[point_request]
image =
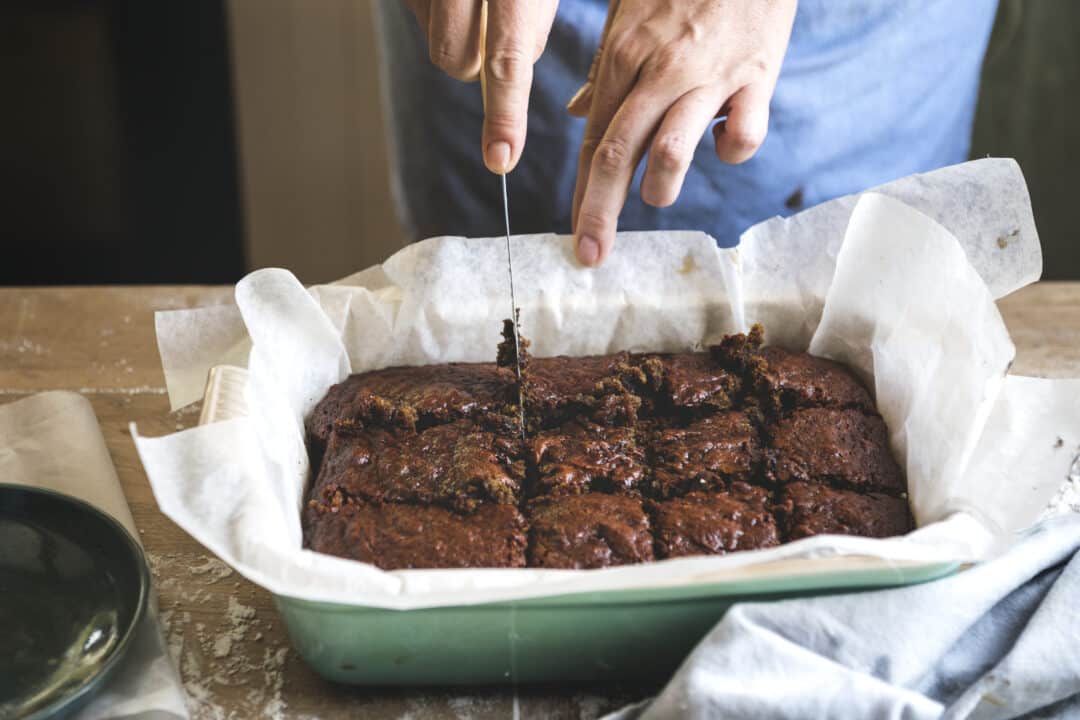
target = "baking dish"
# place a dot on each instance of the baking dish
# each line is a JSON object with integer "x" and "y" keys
{"x": 870, "y": 281}
{"x": 584, "y": 637}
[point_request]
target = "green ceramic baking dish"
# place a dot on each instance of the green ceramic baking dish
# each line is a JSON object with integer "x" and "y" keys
{"x": 579, "y": 638}
{"x": 563, "y": 639}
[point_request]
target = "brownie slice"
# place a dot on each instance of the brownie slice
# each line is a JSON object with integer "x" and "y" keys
{"x": 458, "y": 465}
{"x": 706, "y": 454}
{"x": 790, "y": 380}
{"x": 582, "y": 456}
{"x": 808, "y": 509}
{"x": 333, "y": 406}
{"x": 588, "y": 531}
{"x": 708, "y": 523}
{"x": 407, "y": 395}
{"x": 846, "y": 448}
{"x": 405, "y": 536}
{"x": 690, "y": 381}
{"x": 557, "y": 388}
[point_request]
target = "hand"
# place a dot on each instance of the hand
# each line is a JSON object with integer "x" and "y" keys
{"x": 517, "y": 31}
{"x": 664, "y": 71}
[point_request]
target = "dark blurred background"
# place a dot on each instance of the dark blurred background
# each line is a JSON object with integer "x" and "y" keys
{"x": 183, "y": 142}
{"x": 1029, "y": 106}
{"x": 120, "y": 164}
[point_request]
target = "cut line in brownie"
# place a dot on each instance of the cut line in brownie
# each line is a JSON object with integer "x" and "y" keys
{"x": 845, "y": 448}
{"x": 459, "y": 465}
{"x": 689, "y": 381}
{"x": 592, "y": 530}
{"x": 407, "y": 396}
{"x": 581, "y": 456}
{"x": 707, "y": 454}
{"x": 806, "y": 509}
{"x": 715, "y": 522}
{"x": 397, "y": 537}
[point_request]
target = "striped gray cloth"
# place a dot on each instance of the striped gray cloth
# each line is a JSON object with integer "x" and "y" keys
{"x": 1001, "y": 640}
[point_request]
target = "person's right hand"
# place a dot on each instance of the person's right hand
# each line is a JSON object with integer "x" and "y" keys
{"x": 663, "y": 73}
{"x": 517, "y": 31}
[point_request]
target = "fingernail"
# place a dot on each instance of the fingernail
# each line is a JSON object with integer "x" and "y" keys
{"x": 498, "y": 156}
{"x": 579, "y": 98}
{"x": 588, "y": 251}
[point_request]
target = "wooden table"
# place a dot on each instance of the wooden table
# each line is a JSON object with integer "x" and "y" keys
{"x": 232, "y": 652}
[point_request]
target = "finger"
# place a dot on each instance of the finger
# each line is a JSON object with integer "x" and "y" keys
{"x": 579, "y": 103}
{"x": 612, "y": 170}
{"x": 543, "y": 18}
{"x": 508, "y": 69}
{"x": 615, "y": 77}
{"x": 609, "y": 19}
{"x": 454, "y": 37}
{"x": 741, "y": 134}
{"x": 673, "y": 147}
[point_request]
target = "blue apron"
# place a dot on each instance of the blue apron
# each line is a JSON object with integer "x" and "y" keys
{"x": 870, "y": 90}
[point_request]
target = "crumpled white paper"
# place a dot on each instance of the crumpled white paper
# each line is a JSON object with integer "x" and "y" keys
{"x": 52, "y": 440}
{"x": 789, "y": 262}
{"x": 779, "y": 276}
{"x": 892, "y": 292}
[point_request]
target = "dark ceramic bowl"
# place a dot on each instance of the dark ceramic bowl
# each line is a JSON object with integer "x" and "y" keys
{"x": 73, "y": 587}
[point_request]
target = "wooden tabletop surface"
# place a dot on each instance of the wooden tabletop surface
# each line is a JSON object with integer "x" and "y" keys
{"x": 231, "y": 650}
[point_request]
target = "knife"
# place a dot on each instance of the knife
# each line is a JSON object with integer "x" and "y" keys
{"x": 506, "y": 220}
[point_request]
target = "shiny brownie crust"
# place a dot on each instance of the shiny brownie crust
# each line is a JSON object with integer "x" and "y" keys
{"x": 626, "y": 458}
{"x": 593, "y": 530}
{"x": 707, "y": 523}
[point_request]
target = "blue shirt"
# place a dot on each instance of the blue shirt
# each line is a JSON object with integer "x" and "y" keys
{"x": 870, "y": 90}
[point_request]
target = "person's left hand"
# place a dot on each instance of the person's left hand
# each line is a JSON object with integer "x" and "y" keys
{"x": 663, "y": 73}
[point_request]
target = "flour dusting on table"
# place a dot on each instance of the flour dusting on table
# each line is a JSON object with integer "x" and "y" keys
{"x": 219, "y": 651}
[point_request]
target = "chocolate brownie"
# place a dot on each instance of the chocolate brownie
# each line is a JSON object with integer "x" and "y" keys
{"x": 588, "y": 531}
{"x": 458, "y": 464}
{"x": 847, "y": 448}
{"x": 706, "y": 454}
{"x": 582, "y": 456}
{"x": 740, "y": 352}
{"x": 407, "y": 536}
{"x": 407, "y": 395}
{"x": 806, "y": 509}
{"x": 513, "y": 351}
{"x": 612, "y": 402}
{"x": 707, "y": 523}
{"x": 332, "y": 407}
{"x": 426, "y": 466}
{"x": 690, "y": 381}
{"x": 558, "y": 388}
{"x": 790, "y": 380}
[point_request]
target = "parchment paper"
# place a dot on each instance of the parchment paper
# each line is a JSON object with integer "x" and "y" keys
{"x": 984, "y": 204}
{"x": 52, "y": 440}
{"x": 899, "y": 298}
{"x": 779, "y": 275}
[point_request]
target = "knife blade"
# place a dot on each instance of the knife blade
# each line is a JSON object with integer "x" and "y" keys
{"x": 506, "y": 220}
{"x": 513, "y": 309}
